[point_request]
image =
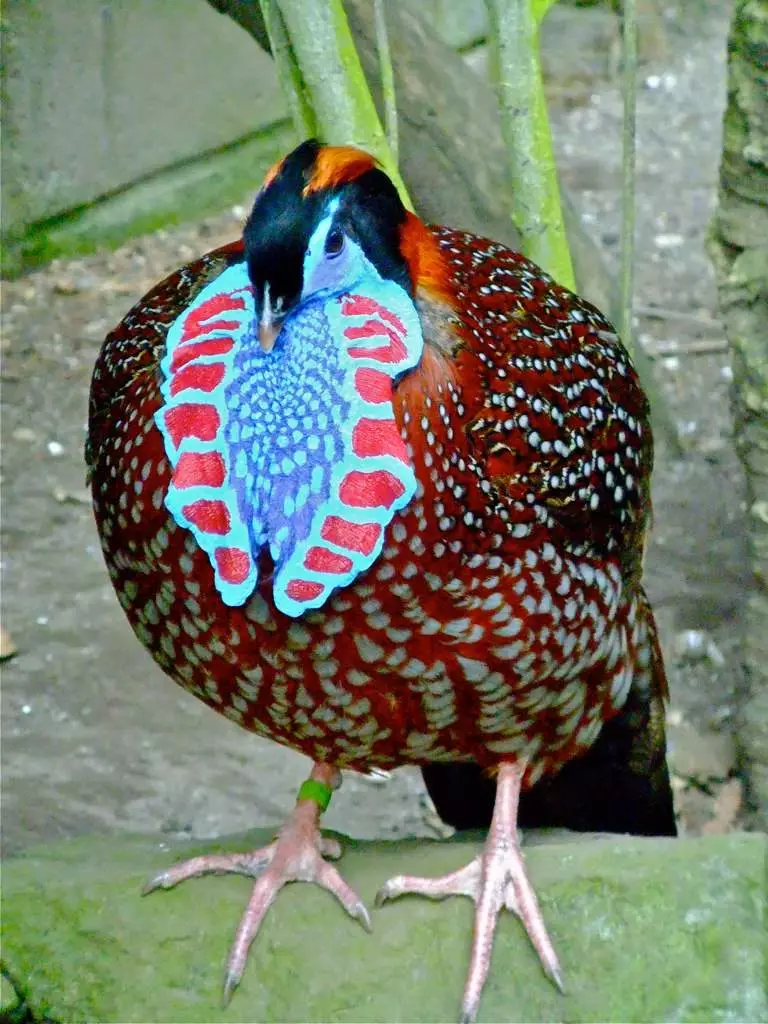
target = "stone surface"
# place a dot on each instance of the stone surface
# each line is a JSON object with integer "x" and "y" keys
{"x": 698, "y": 754}
{"x": 202, "y": 186}
{"x": 99, "y": 95}
{"x": 645, "y": 929}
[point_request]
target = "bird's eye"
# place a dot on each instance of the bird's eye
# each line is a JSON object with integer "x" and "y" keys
{"x": 334, "y": 242}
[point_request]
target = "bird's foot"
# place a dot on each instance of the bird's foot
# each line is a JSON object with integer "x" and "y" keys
{"x": 296, "y": 855}
{"x": 494, "y": 879}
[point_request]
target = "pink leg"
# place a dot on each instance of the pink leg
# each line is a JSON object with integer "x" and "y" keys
{"x": 494, "y": 879}
{"x": 295, "y": 856}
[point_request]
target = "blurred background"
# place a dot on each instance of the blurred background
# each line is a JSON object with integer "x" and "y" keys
{"x": 135, "y": 136}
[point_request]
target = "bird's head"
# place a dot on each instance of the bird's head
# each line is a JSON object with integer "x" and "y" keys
{"x": 326, "y": 219}
{"x": 279, "y": 378}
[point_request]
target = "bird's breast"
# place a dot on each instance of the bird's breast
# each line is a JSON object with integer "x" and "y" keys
{"x": 439, "y": 652}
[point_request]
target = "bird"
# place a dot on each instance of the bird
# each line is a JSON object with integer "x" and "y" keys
{"x": 380, "y": 491}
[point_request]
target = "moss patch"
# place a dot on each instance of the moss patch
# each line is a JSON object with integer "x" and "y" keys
{"x": 645, "y": 929}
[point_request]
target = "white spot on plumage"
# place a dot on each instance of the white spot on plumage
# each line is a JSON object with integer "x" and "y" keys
{"x": 369, "y": 651}
{"x": 474, "y": 671}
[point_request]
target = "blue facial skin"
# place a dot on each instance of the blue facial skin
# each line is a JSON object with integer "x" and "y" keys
{"x": 333, "y": 263}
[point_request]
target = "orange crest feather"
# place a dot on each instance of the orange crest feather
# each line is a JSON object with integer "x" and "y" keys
{"x": 272, "y": 173}
{"x": 336, "y": 165}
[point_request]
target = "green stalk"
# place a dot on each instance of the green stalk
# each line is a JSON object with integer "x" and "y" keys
{"x": 288, "y": 71}
{"x": 629, "y": 87}
{"x": 387, "y": 77}
{"x": 345, "y": 113}
{"x": 535, "y": 194}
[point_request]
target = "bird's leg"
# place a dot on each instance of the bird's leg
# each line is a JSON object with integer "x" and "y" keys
{"x": 494, "y": 879}
{"x": 296, "y": 855}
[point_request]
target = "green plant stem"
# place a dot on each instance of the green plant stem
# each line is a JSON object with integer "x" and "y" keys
{"x": 535, "y": 194}
{"x": 345, "y": 113}
{"x": 629, "y": 84}
{"x": 387, "y": 76}
{"x": 288, "y": 71}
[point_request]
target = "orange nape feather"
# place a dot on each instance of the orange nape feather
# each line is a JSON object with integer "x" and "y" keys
{"x": 272, "y": 173}
{"x": 337, "y": 165}
{"x": 427, "y": 264}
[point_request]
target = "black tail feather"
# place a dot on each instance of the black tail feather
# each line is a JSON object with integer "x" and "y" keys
{"x": 621, "y": 784}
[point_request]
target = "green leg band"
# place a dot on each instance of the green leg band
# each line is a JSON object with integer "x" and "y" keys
{"x": 317, "y": 791}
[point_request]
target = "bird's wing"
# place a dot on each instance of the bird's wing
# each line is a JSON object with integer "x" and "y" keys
{"x": 556, "y": 420}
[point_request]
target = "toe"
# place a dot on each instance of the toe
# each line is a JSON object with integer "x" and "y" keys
{"x": 329, "y": 878}
{"x": 251, "y": 864}
{"x": 464, "y": 882}
{"x": 264, "y": 892}
{"x": 330, "y": 848}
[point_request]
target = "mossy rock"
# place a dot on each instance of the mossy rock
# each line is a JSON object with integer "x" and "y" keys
{"x": 645, "y": 929}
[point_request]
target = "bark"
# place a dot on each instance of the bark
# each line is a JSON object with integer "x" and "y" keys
{"x": 739, "y": 249}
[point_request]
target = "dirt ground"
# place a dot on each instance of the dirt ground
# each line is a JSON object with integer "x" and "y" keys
{"x": 95, "y": 738}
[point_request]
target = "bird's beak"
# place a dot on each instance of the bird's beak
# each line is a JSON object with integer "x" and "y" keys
{"x": 268, "y": 333}
{"x": 269, "y": 325}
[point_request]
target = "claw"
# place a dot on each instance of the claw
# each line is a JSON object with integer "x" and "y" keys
{"x": 362, "y": 915}
{"x": 556, "y": 977}
{"x": 295, "y": 856}
{"x": 231, "y": 981}
{"x": 495, "y": 879}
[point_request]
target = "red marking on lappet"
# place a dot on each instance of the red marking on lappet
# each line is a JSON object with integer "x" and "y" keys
{"x": 394, "y": 352}
{"x": 322, "y": 560}
{"x": 233, "y": 564}
{"x": 207, "y": 311}
{"x": 303, "y": 590}
{"x": 192, "y": 419}
{"x": 201, "y": 376}
{"x": 360, "y": 537}
{"x": 378, "y": 437}
{"x": 199, "y": 468}
{"x": 209, "y": 515}
{"x": 361, "y": 305}
{"x": 370, "y": 490}
{"x": 207, "y": 347}
{"x": 373, "y": 385}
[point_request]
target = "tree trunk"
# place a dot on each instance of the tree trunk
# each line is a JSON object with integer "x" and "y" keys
{"x": 739, "y": 249}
